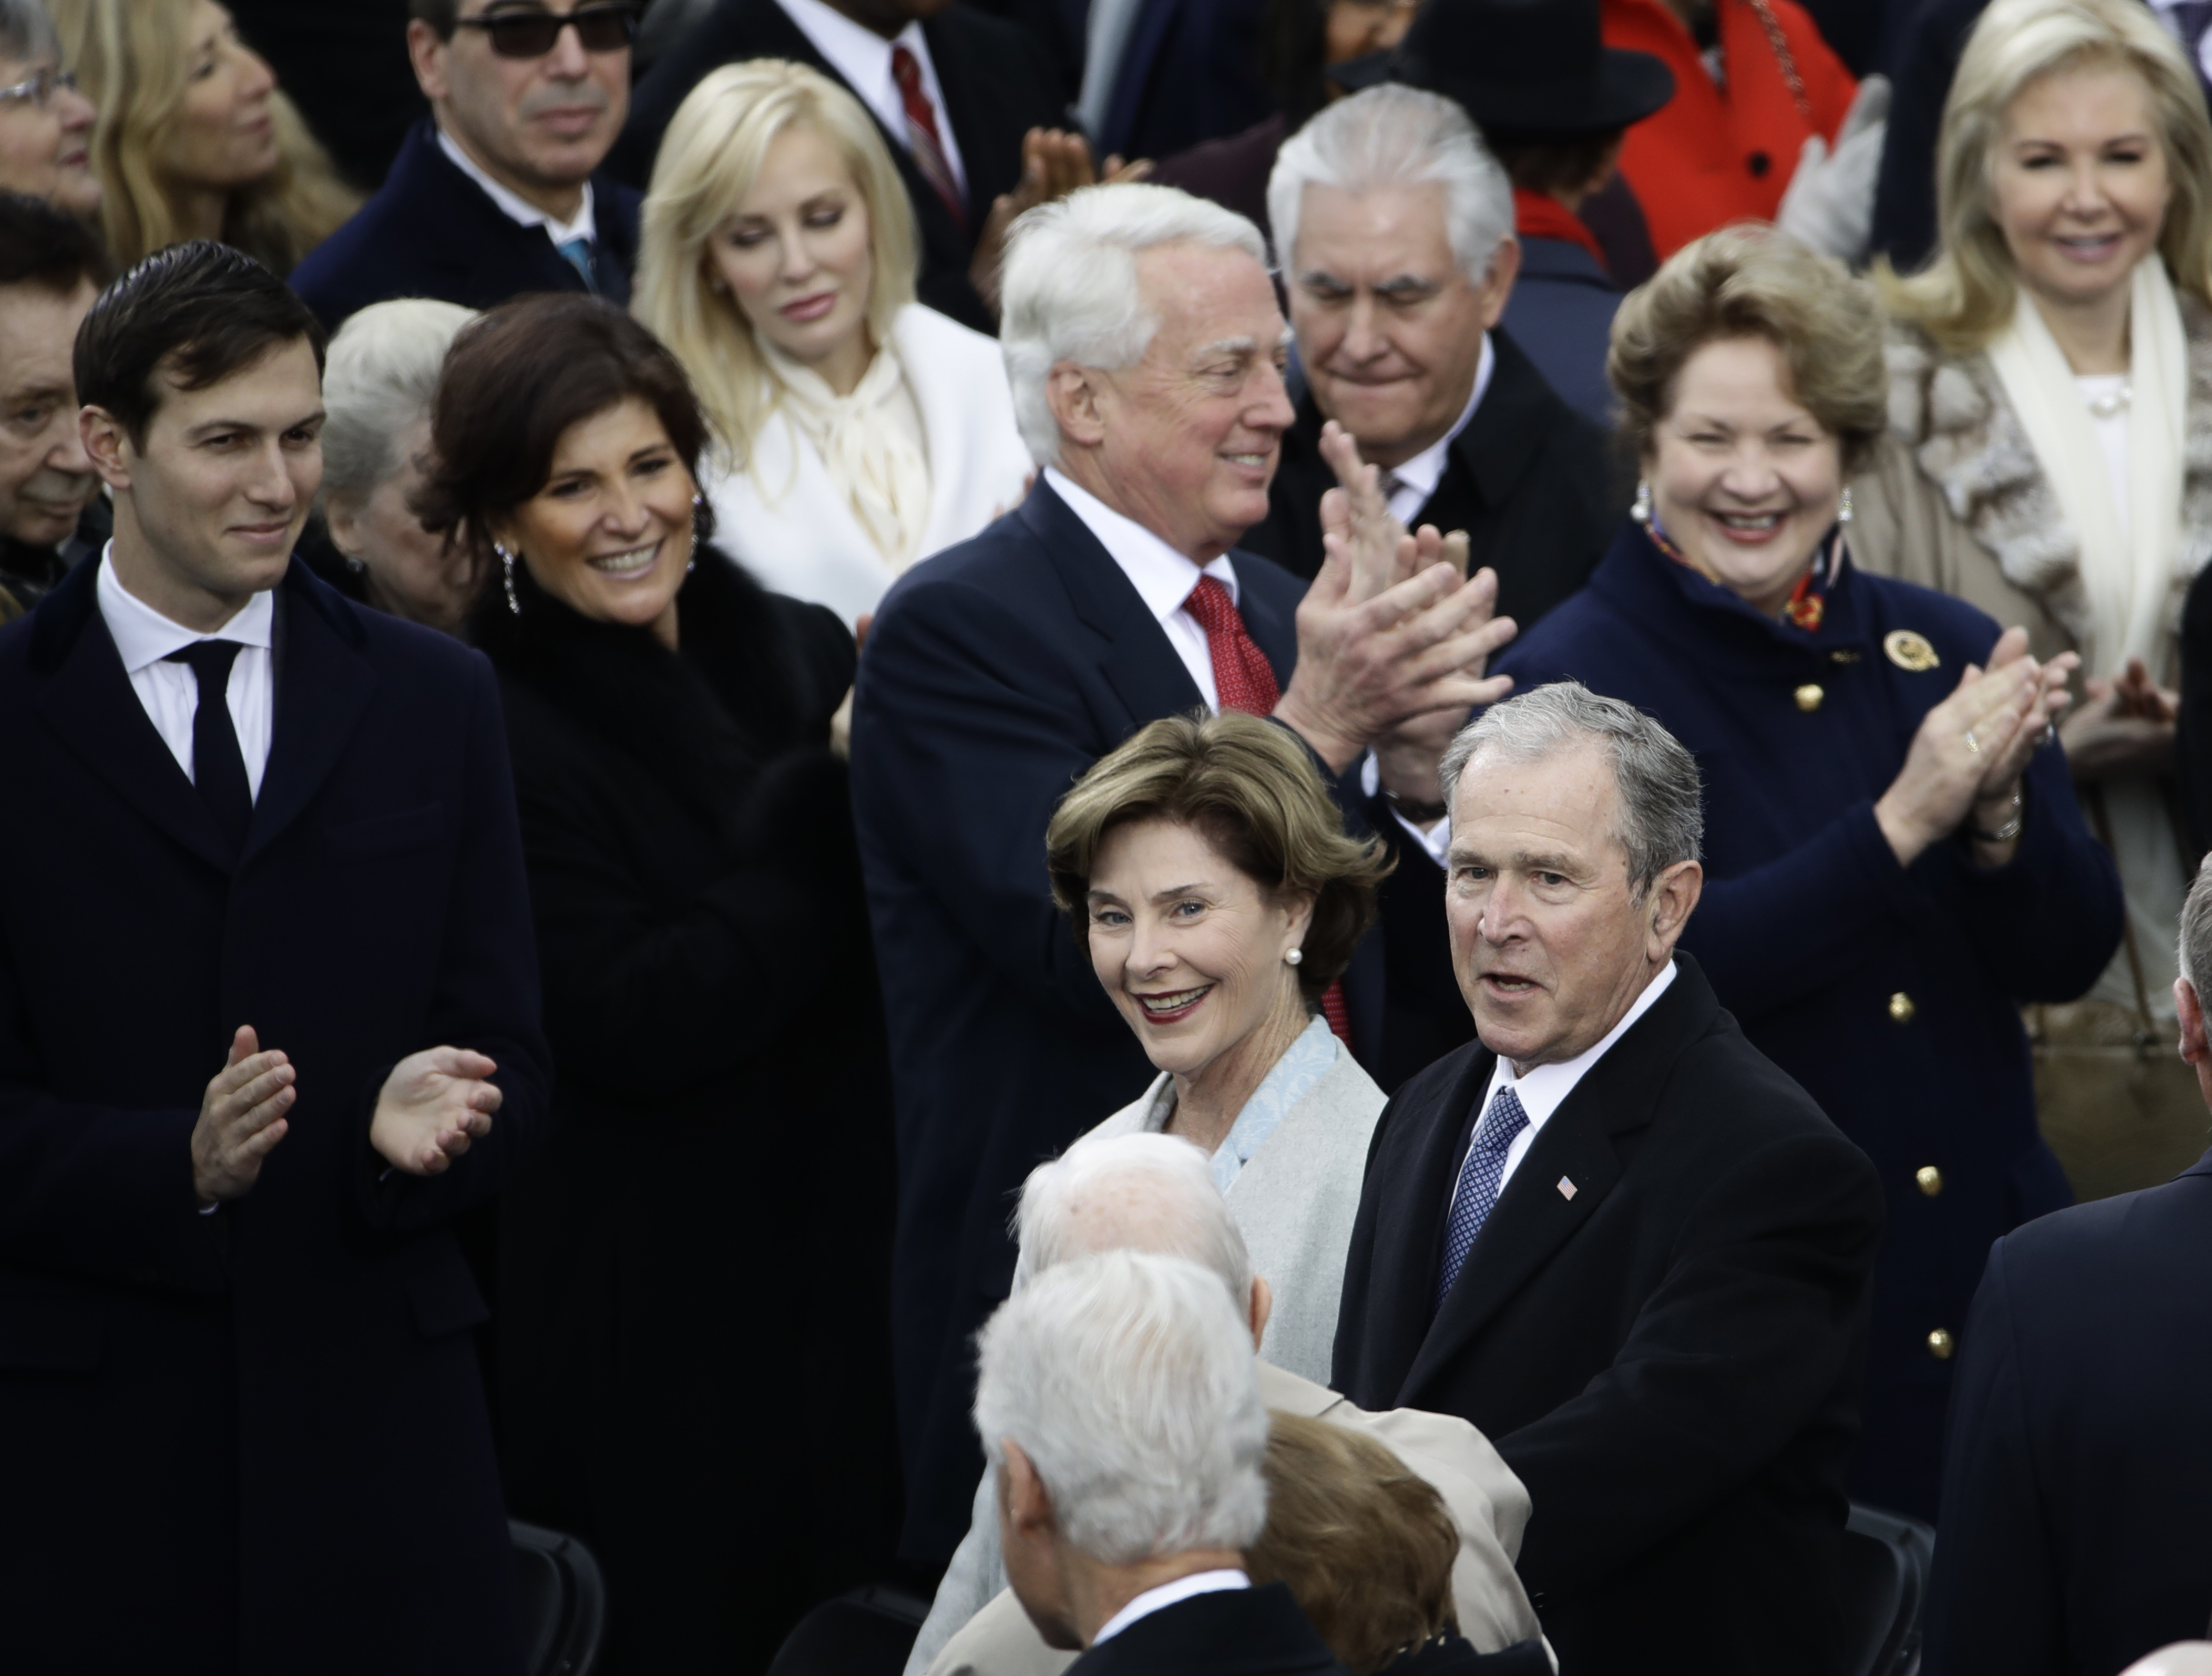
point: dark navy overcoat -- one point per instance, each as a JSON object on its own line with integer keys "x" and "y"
{"x": 1892, "y": 994}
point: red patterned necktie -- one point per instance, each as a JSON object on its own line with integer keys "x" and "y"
{"x": 922, "y": 141}
{"x": 1245, "y": 681}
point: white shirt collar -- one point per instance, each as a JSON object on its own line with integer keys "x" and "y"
{"x": 863, "y": 57}
{"x": 1169, "y": 1594}
{"x": 518, "y": 209}
{"x": 1545, "y": 1089}
{"x": 144, "y": 636}
{"x": 1161, "y": 575}
{"x": 1421, "y": 474}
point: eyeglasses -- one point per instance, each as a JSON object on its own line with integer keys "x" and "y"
{"x": 37, "y": 88}
{"x": 531, "y": 34}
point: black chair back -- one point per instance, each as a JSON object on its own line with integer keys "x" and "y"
{"x": 561, "y": 1600}
{"x": 1886, "y": 1561}
{"x": 867, "y": 1633}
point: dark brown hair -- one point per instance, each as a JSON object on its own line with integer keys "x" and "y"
{"x": 42, "y": 245}
{"x": 194, "y": 313}
{"x": 1249, "y": 786}
{"x": 1551, "y": 163}
{"x": 1367, "y": 1546}
{"x": 440, "y": 15}
{"x": 516, "y": 379}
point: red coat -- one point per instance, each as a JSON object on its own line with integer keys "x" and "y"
{"x": 1714, "y": 156}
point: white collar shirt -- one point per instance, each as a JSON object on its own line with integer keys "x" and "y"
{"x": 1545, "y": 1089}
{"x": 170, "y": 692}
{"x": 863, "y": 57}
{"x": 1170, "y": 1595}
{"x": 521, "y": 210}
{"x": 1418, "y": 477}
{"x": 1164, "y": 578}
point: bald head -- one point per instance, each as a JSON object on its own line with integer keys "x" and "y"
{"x": 1132, "y": 1192}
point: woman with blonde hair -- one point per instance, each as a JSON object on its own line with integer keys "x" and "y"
{"x": 856, "y": 430}
{"x": 2051, "y": 383}
{"x": 193, "y": 139}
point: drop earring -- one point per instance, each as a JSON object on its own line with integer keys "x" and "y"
{"x": 698, "y": 506}
{"x": 1294, "y": 957}
{"x": 507, "y": 577}
{"x": 1843, "y": 510}
{"x": 1640, "y": 510}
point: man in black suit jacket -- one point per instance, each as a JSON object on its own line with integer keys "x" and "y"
{"x": 1398, "y": 336}
{"x": 2077, "y": 1489}
{"x": 997, "y": 85}
{"x": 497, "y": 193}
{"x": 274, "y": 845}
{"x": 1610, "y": 1233}
{"x": 1001, "y": 669}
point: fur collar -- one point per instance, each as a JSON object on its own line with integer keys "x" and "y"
{"x": 1950, "y": 412}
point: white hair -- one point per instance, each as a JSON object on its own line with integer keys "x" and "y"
{"x": 379, "y": 378}
{"x": 1127, "y": 1379}
{"x": 1143, "y": 1193}
{"x": 1394, "y": 136}
{"x": 1070, "y": 291}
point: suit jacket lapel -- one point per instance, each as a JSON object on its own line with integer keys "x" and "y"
{"x": 1140, "y": 663}
{"x": 323, "y": 686}
{"x": 87, "y": 699}
{"x": 1272, "y": 630}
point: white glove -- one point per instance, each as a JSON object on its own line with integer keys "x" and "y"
{"x": 1830, "y": 201}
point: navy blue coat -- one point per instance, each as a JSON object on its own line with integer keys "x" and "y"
{"x": 996, "y": 673}
{"x": 432, "y": 231}
{"x": 2077, "y": 1497}
{"x": 1561, "y": 315}
{"x": 1811, "y": 932}
{"x": 253, "y": 1440}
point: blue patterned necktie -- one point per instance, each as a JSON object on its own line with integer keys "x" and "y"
{"x": 1480, "y": 1178}
{"x": 577, "y": 252}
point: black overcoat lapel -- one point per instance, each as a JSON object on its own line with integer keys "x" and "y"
{"x": 324, "y": 685}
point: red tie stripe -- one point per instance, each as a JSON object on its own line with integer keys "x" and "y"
{"x": 922, "y": 139}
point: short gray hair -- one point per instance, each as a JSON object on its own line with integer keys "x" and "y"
{"x": 380, "y": 377}
{"x": 1143, "y": 1192}
{"x": 1069, "y": 290}
{"x": 26, "y": 33}
{"x": 1128, "y": 1382}
{"x": 1661, "y": 813}
{"x": 1394, "y": 136}
{"x": 2196, "y": 948}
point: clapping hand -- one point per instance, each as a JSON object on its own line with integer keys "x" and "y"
{"x": 1053, "y": 164}
{"x": 1969, "y": 753}
{"x": 431, "y": 1106}
{"x": 2124, "y": 726}
{"x": 241, "y": 1118}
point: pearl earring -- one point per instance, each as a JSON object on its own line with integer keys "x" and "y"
{"x": 507, "y": 577}
{"x": 1641, "y": 510}
{"x": 1294, "y": 957}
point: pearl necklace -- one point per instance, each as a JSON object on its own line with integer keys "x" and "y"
{"x": 2107, "y": 407}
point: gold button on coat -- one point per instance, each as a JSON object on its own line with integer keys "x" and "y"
{"x": 1809, "y": 697}
{"x": 1901, "y": 1008}
{"x": 1939, "y": 1344}
{"x": 1929, "y": 1178}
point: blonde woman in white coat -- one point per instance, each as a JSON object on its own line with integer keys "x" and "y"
{"x": 1208, "y": 873}
{"x": 857, "y": 431}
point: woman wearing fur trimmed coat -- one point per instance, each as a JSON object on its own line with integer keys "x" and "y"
{"x": 2049, "y": 460}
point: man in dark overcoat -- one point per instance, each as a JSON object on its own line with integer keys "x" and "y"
{"x": 267, "y": 1020}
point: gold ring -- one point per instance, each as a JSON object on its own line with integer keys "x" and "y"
{"x": 1972, "y": 743}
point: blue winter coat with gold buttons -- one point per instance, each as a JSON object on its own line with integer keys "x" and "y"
{"x": 1891, "y": 994}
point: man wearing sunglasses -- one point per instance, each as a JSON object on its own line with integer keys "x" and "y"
{"x": 498, "y": 192}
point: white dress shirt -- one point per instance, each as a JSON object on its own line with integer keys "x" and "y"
{"x": 1169, "y": 1594}
{"x": 1163, "y": 577}
{"x": 863, "y": 57}
{"x": 1418, "y": 477}
{"x": 521, "y": 210}
{"x": 170, "y": 692}
{"x": 1545, "y": 1087}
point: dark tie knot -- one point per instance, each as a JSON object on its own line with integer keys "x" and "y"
{"x": 211, "y": 660}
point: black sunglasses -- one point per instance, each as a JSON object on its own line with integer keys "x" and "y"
{"x": 531, "y": 34}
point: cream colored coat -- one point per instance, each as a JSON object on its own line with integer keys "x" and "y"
{"x": 1485, "y": 1500}
{"x": 797, "y": 535}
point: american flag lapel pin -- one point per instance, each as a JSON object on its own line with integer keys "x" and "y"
{"x": 1567, "y": 1189}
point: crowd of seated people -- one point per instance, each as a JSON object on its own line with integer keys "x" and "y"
{"x": 1157, "y": 834}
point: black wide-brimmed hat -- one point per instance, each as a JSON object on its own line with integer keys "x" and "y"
{"x": 1529, "y": 66}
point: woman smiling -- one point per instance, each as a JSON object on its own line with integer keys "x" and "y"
{"x": 1894, "y": 858}
{"x": 1208, "y": 872}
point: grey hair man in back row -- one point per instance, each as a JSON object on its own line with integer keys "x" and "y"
{"x": 1155, "y": 1193}
{"x": 1146, "y": 353}
{"x": 1393, "y": 227}
{"x": 1610, "y": 1233}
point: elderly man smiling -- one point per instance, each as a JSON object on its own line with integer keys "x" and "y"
{"x": 1611, "y": 1233}
{"x": 1145, "y": 352}
{"x": 1395, "y": 228}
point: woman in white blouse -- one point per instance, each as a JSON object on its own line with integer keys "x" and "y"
{"x": 857, "y": 430}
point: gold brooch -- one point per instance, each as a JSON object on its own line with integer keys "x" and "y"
{"x": 1909, "y": 651}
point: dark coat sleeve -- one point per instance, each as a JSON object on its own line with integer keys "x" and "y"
{"x": 2193, "y": 744}
{"x": 1997, "y": 1597}
{"x": 1747, "y": 1336}
{"x": 486, "y": 994}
